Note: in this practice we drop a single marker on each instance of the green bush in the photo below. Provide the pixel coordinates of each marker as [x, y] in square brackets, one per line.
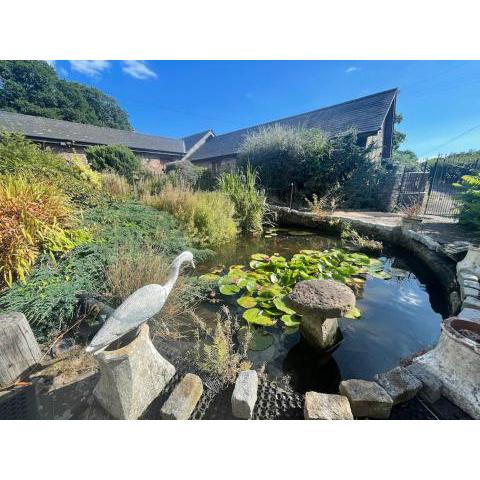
[116, 158]
[20, 157]
[469, 195]
[250, 203]
[305, 157]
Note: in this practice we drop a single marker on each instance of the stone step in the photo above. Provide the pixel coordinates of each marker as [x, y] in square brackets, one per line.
[323, 406]
[399, 384]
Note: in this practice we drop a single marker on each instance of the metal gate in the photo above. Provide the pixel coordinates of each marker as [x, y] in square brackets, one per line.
[442, 195]
[432, 187]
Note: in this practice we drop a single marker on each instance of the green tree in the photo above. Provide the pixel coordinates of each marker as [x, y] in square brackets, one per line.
[117, 158]
[32, 87]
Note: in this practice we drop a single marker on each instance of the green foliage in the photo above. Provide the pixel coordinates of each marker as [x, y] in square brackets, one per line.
[250, 203]
[469, 194]
[50, 296]
[116, 158]
[269, 278]
[206, 216]
[20, 157]
[398, 137]
[314, 164]
[405, 157]
[33, 88]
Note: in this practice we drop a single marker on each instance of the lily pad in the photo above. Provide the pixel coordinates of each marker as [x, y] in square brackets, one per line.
[256, 316]
[299, 233]
[247, 302]
[289, 321]
[353, 313]
[209, 277]
[279, 303]
[229, 289]
[381, 275]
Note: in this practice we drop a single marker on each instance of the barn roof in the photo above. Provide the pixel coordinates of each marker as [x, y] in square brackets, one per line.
[80, 133]
[365, 114]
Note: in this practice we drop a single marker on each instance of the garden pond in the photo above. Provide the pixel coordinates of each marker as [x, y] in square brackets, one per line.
[400, 315]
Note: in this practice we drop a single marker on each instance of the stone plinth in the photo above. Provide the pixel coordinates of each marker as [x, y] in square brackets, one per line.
[131, 377]
[321, 302]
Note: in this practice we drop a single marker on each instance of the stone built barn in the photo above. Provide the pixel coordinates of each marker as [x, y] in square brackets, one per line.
[372, 117]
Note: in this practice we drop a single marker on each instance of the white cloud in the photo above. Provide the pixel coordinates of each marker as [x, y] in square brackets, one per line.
[138, 69]
[92, 68]
[352, 69]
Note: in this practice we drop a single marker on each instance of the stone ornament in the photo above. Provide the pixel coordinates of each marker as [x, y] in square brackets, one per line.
[131, 377]
[139, 307]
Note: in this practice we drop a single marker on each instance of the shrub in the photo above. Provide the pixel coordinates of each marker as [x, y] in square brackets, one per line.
[34, 217]
[469, 195]
[116, 186]
[250, 203]
[314, 163]
[19, 156]
[117, 158]
[207, 216]
[183, 173]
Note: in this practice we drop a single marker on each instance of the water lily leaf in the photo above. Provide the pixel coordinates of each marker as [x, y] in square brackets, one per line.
[380, 275]
[298, 233]
[289, 321]
[273, 278]
[218, 269]
[279, 303]
[270, 292]
[247, 302]
[209, 277]
[229, 289]
[236, 267]
[257, 317]
[260, 256]
[290, 330]
[256, 264]
[354, 313]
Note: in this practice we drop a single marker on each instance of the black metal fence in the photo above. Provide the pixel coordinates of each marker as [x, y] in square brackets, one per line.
[432, 186]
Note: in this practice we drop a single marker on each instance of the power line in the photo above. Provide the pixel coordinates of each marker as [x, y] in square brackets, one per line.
[453, 139]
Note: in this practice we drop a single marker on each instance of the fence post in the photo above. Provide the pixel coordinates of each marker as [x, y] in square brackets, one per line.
[431, 184]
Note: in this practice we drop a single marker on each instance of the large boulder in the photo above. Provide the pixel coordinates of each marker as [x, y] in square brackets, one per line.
[323, 298]
[244, 394]
[367, 399]
[184, 398]
[323, 406]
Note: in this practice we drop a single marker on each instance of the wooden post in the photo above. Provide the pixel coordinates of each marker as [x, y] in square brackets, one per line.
[19, 349]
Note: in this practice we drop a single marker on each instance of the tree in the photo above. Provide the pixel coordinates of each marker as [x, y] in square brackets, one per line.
[32, 87]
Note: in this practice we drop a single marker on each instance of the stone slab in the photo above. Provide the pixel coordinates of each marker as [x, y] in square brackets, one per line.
[323, 406]
[462, 276]
[367, 399]
[182, 401]
[471, 302]
[431, 386]
[399, 384]
[471, 284]
[244, 394]
[470, 314]
[469, 292]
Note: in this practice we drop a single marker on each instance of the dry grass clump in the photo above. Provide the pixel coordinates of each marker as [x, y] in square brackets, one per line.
[411, 211]
[208, 217]
[216, 353]
[324, 205]
[351, 236]
[115, 185]
[132, 268]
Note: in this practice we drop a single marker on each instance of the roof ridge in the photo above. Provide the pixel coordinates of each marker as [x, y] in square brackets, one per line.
[90, 125]
[309, 112]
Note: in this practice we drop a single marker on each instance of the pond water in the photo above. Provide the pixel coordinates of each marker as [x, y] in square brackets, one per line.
[400, 317]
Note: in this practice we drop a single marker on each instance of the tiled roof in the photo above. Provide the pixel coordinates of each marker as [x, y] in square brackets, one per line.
[60, 130]
[365, 114]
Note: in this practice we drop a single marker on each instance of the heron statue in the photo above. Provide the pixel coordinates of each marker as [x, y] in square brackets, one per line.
[137, 308]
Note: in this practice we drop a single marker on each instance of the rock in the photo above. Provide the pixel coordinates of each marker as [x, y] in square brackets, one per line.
[471, 284]
[367, 399]
[131, 377]
[399, 384]
[323, 406]
[324, 298]
[431, 386]
[471, 302]
[244, 394]
[19, 350]
[462, 276]
[471, 261]
[469, 314]
[469, 292]
[183, 400]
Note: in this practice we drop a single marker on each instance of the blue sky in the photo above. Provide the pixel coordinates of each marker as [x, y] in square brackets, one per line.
[439, 100]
